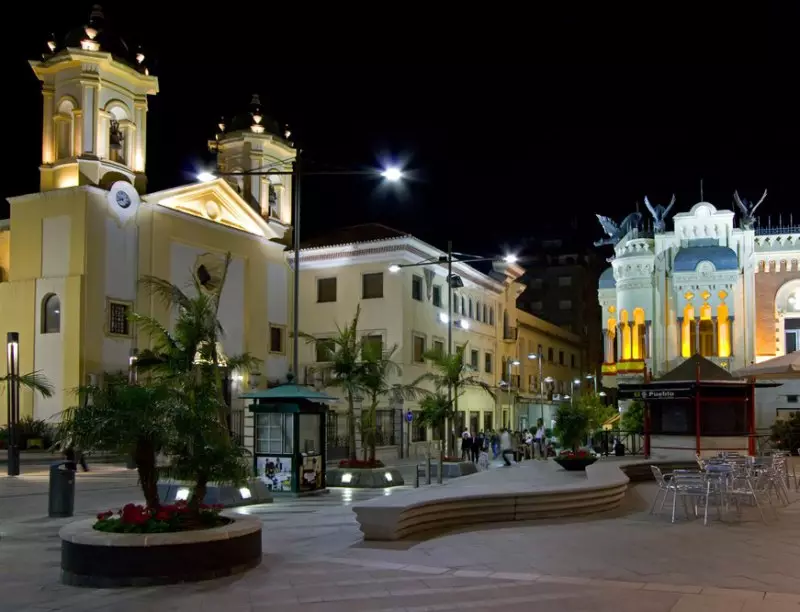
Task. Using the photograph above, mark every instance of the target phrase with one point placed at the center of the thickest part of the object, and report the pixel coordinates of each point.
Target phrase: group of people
(528, 442)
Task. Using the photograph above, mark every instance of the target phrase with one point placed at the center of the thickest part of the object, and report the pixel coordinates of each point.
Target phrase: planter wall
(364, 478)
(452, 469)
(96, 559)
(575, 465)
(255, 492)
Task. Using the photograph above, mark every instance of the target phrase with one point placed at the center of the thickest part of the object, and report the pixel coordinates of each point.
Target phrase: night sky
(505, 122)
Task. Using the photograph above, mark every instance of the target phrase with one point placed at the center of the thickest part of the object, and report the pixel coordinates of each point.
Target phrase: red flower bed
(452, 459)
(359, 464)
(134, 518)
(581, 454)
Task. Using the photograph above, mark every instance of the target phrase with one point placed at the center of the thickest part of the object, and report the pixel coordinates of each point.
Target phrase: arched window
(478, 311)
(455, 303)
(485, 317)
(64, 122)
(51, 314)
(506, 328)
(471, 311)
(491, 315)
(463, 305)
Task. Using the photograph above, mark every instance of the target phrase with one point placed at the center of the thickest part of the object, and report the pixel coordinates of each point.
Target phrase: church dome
(607, 279)
(98, 31)
(246, 121)
(723, 258)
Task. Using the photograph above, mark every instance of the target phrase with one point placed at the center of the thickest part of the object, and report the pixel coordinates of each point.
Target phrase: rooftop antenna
(701, 191)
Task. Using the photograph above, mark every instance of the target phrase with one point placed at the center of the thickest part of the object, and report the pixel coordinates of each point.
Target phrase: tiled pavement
(315, 560)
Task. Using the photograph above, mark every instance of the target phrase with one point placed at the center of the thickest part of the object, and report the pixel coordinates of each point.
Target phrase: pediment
(215, 202)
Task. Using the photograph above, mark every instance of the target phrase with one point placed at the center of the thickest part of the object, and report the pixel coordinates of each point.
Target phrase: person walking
(70, 454)
(505, 446)
(466, 445)
(476, 446)
(540, 448)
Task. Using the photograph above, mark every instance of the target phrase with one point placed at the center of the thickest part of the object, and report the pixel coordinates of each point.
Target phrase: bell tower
(254, 141)
(94, 129)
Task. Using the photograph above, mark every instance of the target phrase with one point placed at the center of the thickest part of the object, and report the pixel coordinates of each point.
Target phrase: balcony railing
(510, 334)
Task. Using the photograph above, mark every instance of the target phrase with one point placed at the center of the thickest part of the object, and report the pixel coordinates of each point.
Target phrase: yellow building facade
(72, 254)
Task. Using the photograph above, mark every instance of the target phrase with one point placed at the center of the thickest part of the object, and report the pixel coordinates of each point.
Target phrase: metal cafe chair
(690, 486)
(665, 486)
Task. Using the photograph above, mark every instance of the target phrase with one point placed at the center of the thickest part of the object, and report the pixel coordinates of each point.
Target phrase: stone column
(620, 356)
(606, 346)
(680, 338)
(91, 117)
(697, 335)
(140, 112)
(730, 333)
(48, 146)
(648, 339)
(714, 323)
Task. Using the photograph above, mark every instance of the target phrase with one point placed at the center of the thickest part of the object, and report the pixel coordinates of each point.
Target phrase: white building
(408, 308)
(711, 286)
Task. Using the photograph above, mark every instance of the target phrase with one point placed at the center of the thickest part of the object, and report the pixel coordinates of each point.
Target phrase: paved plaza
(315, 559)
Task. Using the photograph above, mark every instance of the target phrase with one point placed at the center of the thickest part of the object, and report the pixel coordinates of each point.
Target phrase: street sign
(409, 416)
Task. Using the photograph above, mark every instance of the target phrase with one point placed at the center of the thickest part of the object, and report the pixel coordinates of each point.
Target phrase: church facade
(71, 254)
(714, 285)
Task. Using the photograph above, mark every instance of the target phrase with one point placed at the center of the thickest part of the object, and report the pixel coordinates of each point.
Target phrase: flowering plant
(358, 463)
(579, 454)
(134, 518)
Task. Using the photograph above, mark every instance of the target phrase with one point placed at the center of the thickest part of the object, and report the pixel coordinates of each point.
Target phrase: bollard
(416, 477)
(440, 475)
(428, 470)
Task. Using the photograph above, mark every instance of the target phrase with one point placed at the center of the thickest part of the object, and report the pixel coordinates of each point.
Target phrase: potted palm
(572, 427)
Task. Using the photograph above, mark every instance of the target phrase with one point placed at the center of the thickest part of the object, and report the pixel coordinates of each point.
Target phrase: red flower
(135, 514)
(163, 515)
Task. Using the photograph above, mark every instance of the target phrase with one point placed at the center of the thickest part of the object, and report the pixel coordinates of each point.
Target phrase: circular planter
(575, 465)
(97, 559)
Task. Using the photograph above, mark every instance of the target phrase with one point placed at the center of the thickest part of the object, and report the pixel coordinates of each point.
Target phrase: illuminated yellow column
(48, 148)
(715, 343)
(140, 113)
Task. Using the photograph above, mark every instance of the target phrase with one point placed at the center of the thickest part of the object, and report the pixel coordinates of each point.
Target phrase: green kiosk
(289, 424)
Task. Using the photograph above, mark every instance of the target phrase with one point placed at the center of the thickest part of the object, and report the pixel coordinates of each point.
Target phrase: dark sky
(505, 121)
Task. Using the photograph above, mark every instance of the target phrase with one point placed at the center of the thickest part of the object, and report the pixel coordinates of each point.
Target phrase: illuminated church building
(71, 254)
(716, 285)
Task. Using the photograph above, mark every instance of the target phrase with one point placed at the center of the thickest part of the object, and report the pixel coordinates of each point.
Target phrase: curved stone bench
(419, 511)
(98, 559)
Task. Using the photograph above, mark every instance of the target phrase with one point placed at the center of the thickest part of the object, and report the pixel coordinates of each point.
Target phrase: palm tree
(189, 360)
(435, 410)
(378, 369)
(35, 381)
(450, 372)
(132, 420)
(344, 363)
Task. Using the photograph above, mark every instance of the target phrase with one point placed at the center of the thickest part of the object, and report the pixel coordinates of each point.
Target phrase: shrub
(572, 425)
(167, 518)
(359, 464)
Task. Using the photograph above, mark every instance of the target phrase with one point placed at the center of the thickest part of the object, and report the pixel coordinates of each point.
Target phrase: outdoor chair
(755, 488)
(664, 482)
(691, 487)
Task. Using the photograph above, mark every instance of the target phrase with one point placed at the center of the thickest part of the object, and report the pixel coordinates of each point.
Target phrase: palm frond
(170, 294)
(35, 381)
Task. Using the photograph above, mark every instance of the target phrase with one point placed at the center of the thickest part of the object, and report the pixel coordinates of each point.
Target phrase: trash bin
(61, 493)
(619, 449)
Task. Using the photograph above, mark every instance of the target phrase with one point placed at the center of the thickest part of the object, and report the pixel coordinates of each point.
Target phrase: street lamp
(575, 383)
(133, 375)
(12, 364)
(594, 379)
(540, 359)
(454, 281)
(391, 174)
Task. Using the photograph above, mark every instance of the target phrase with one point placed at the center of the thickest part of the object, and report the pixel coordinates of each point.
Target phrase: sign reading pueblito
(662, 394)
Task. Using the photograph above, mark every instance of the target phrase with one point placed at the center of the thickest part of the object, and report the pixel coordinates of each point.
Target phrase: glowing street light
(394, 268)
(443, 317)
(392, 174)
(510, 258)
(205, 177)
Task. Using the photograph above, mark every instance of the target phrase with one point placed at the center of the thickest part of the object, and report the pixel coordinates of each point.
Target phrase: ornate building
(72, 253)
(728, 291)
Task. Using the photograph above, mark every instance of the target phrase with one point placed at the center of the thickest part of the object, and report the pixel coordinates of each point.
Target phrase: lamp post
(511, 363)
(575, 383)
(133, 375)
(594, 379)
(454, 281)
(539, 358)
(390, 174)
(12, 355)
